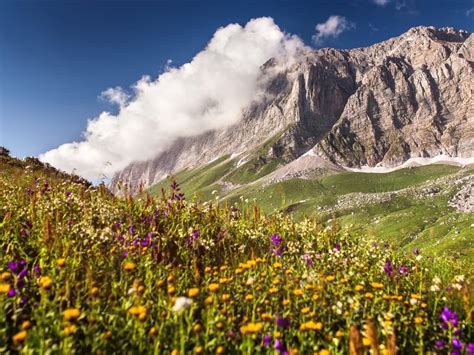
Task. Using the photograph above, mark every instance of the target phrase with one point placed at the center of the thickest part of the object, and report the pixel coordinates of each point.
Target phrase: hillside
(82, 271)
(411, 207)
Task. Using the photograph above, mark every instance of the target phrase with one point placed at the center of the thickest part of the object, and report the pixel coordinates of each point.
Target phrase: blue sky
(58, 56)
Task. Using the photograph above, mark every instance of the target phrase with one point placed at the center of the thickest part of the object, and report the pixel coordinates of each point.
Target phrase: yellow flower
(277, 334)
(266, 316)
(285, 302)
(225, 297)
(207, 269)
(376, 285)
(366, 341)
(209, 300)
(369, 295)
(193, 292)
(273, 290)
(71, 314)
(418, 320)
(137, 310)
(26, 325)
(220, 325)
(251, 328)
(305, 310)
(45, 282)
(171, 290)
(129, 266)
(311, 325)
(19, 337)
(359, 288)
(4, 288)
(339, 334)
(197, 328)
(94, 291)
(69, 329)
(175, 352)
(298, 292)
(330, 278)
(277, 265)
(213, 287)
(61, 262)
(249, 297)
(160, 283)
(220, 350)
(153, 331)
(198, 350)
(324, 352)
(5, 276)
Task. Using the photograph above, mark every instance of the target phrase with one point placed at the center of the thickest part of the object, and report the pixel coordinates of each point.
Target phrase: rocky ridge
(410, 96)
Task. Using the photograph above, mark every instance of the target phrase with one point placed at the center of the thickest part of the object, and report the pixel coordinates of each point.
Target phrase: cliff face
(410, 96)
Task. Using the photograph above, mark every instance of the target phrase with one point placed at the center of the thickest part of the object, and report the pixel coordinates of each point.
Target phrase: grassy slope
(427, 223)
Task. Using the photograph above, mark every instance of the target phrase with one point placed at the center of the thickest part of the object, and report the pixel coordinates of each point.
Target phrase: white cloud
(115, 96)
(470, 12)
(207, 93)
(333, 27)
(381, 2)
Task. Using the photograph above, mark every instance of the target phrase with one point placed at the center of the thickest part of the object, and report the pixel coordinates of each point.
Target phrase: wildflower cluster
(83, 271)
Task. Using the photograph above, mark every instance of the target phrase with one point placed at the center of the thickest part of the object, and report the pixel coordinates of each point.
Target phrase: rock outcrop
(410, 96)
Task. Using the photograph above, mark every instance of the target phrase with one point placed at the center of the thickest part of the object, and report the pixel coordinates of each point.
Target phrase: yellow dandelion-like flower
(358, 288)
(225, 297)
(5, 276)
(418, 320)
(220, 350)
(330, 278)
(61, 262)
(26, 325)
(213, 287)
(4, 288)
(69, 329)
(285, 302)
(377, 285)
(311, 325)
(277, 265)
(71, 314)
(20, 337)
(129, 266)
(94, 291)
(251, 328)
(199, 350)
(45, 282)
(298, 292)
(369, 295)
(266, 316)
(197, 328)
(193, 292)
(324, 352)
(249, 297)
(207, 269)
(153, 331)
(366, 341)
(171, 290)
(272, 290)
(305, 310)
(209, 300)
(339, 334)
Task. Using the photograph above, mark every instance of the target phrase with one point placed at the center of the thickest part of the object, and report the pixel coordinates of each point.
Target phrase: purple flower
(37, 270)
(388, 269)
(449, 317)
(11, 292)
(337, 246)
(194, 235)
(68, 193)
(124, 254)
(403, 270)
(13, 266)
(282, 322)
(22, 273)
(470, 348)
(23, 301)
(266, 340)
(276, 239)
(457, 344)
(278, 252)
(439, 344)
(131, 230)
(279, 346)
(308, 259)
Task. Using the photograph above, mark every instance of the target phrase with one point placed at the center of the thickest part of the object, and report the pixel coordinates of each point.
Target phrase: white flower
(413, 301)
(250, 281)
(181, 304)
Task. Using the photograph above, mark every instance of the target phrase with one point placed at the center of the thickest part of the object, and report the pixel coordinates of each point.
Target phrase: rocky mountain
(408, 97)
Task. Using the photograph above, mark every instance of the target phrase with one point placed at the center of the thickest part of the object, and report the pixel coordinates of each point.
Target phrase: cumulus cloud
(207, 93)
(115, 96)
(381, 2)
(332, 28)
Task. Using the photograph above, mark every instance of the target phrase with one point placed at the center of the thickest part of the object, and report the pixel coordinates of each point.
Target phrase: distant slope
(408, 207)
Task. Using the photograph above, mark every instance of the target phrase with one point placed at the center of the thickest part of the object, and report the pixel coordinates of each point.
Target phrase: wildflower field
(85, 272)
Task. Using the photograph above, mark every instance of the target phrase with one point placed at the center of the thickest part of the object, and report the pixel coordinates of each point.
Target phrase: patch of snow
(439, 159)
(310, 153)
(235, 155)
(241, 162)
